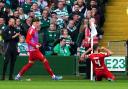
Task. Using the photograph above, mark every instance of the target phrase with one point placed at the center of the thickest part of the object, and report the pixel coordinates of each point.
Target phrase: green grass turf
(73, 82)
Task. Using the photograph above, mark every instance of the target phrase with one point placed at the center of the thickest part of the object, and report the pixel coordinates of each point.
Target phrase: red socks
(29, 65)
(47, 67)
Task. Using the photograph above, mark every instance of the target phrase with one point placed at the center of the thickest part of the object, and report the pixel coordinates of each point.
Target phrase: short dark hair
(35, 19)
(95, 46)
(53, 13)
(61, 39)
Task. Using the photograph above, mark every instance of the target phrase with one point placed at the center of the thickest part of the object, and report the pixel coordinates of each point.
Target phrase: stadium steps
(116, 26)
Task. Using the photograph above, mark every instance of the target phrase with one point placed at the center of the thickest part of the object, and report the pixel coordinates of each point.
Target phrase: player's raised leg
(41, 57)
(25, 68)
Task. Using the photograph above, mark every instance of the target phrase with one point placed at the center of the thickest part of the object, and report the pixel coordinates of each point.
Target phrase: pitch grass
(69, 82)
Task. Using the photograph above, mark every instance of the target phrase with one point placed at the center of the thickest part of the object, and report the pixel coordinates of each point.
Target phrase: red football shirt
(98, 60)
(32, 38)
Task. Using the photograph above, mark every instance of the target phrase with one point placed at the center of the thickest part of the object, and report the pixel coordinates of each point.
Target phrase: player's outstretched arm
(84, 55)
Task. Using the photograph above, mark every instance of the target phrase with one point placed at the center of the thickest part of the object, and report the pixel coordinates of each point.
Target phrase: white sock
(18, 76)
(53, 76)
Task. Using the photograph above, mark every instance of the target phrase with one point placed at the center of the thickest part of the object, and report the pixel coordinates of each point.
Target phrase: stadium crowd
(66, 25)
(70, 19)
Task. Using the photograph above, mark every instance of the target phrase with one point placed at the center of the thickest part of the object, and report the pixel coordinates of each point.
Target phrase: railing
(119, 48)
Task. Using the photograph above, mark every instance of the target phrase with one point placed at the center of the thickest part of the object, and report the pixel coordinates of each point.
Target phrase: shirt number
(97, 62)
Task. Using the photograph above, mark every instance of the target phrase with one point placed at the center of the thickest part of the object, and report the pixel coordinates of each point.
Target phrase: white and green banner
(116, 63)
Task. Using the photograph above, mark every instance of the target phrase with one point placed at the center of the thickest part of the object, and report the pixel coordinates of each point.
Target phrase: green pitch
(67, 83)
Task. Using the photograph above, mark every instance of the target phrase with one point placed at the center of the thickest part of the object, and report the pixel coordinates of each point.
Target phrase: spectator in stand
(81, 34)
(76, 8)
(82, 6)
(100, 11)
(73, 32)
(15, 14)
(6, 14)
(91, 4)
(58, 21)
(22, 15)
(27, 6)
(85, 32)
(48, 9)
(42, 4)
(86, 29)
(96, 16)
(61, 12)
(18, 26)
(77, 19)
(89, 14)
(76, 11)
(36, 10)
(54, 4)
(81, 49)
(2, 7)
(67, 7)
(61, 49)
(31, 14)
(45, 21)
(51, 38)
(22, 47)
(26, 25)
(67, 37)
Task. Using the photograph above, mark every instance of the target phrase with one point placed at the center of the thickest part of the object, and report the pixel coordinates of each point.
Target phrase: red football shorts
(36, 55)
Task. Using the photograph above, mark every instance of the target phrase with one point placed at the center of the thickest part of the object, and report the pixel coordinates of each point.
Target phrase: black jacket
(9, 42)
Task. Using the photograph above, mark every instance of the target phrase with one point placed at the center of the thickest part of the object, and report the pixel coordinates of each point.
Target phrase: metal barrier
(118, 47)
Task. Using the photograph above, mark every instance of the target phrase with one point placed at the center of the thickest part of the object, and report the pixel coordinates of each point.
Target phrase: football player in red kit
(34, 52)
(99, 67)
